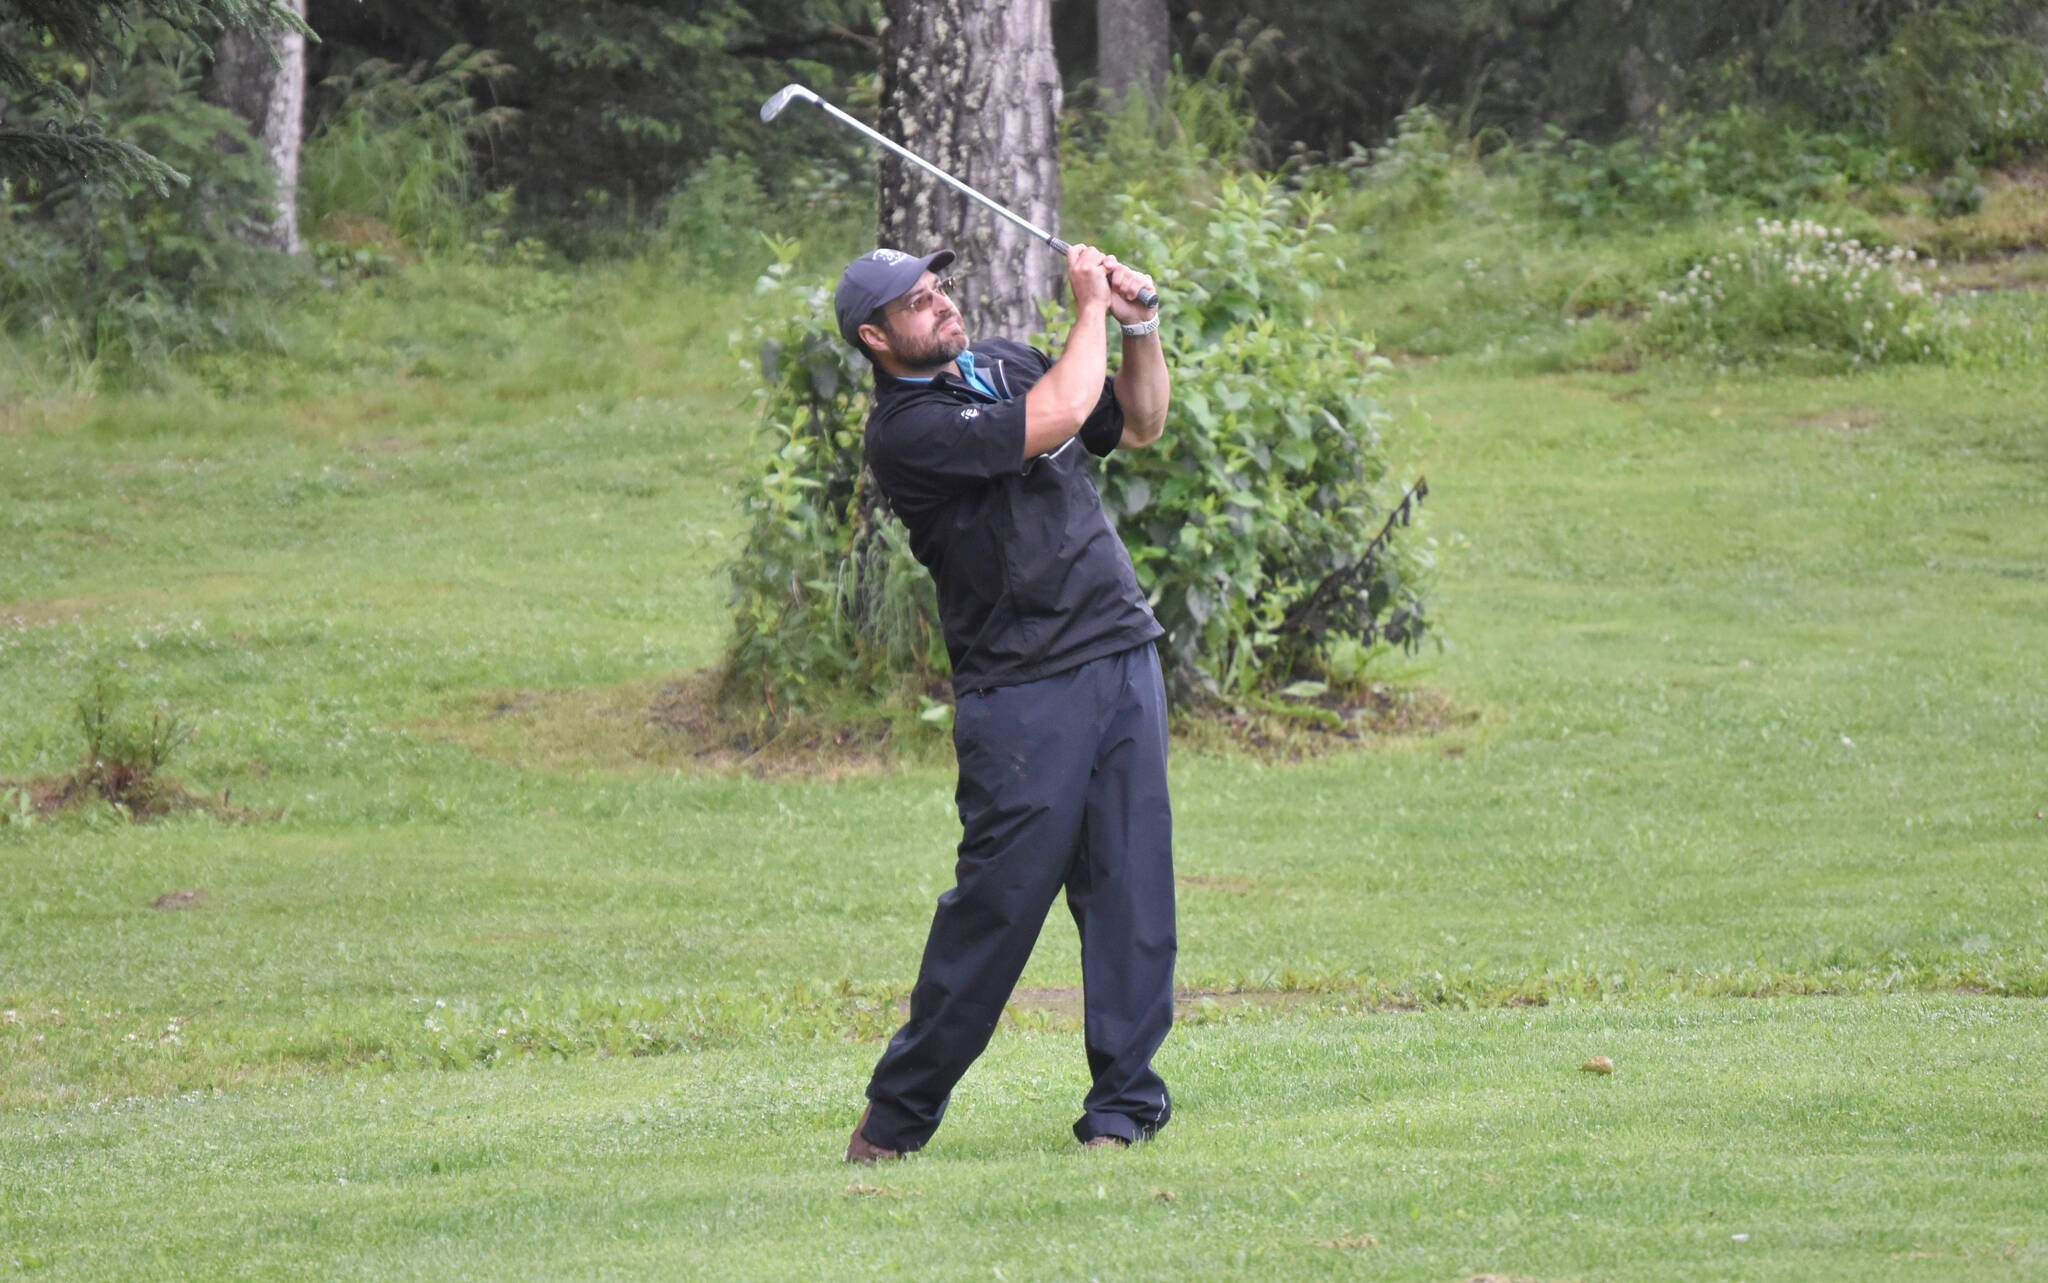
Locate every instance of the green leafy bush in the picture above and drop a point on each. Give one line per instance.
(1272, 478)
(1271, 484)
(829, 606)
(1414, 172)
(715, 216)
(1786, 287)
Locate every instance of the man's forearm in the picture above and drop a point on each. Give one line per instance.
(1143, 389)
(1061, 401)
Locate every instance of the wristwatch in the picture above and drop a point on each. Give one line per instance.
(1142, 327)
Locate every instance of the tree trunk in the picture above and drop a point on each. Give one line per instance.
(1642, 76)
(1133, 49)
(973, 89)
(1636, 103)
(260, 75)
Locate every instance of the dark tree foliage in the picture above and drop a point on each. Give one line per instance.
(117, 274)
(1328, 75)
(620, 101)
(47, 132)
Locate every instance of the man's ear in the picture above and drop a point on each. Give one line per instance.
(875, 337)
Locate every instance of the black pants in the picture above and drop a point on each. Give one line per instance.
(1062, 784)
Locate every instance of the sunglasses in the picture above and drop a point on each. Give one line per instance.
(922, 299)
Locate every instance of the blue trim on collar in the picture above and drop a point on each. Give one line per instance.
(970, 376)
(973, 377)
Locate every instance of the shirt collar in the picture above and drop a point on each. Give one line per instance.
(970, 376)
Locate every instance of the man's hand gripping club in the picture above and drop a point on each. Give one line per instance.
(1061, 402)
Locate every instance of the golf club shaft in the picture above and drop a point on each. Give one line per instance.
(1148, 298)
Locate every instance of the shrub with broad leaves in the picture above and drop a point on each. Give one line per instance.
(829, 605)
(1256, 524)
(1272, 481)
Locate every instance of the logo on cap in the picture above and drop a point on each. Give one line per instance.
(888, 256)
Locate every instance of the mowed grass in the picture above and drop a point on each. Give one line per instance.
(1894, 1139)
(1753, 689)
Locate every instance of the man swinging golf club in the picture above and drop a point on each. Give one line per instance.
(982, 451)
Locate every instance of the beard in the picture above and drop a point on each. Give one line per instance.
(931, 352)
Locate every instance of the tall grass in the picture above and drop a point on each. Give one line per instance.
(1560, 257)
(400, 149)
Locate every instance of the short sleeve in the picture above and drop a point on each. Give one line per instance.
(1104, 427)
(930, 452)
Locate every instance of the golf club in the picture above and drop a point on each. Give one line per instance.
(792, 93)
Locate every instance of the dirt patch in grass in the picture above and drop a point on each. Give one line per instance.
(671, 724)
(49, 610)
(139, 796)
(1334, 722)
(676, 723)
(829, 750)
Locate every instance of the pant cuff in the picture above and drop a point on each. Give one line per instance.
(1122, 1126)
(892, 1127)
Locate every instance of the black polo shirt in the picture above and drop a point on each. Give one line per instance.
(1032, 579)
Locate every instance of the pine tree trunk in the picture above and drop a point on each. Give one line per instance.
(1134, 49)
(973, 89)
(260, 75)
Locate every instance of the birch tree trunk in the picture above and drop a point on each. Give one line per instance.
(260, 75)
(1133, 49)
(972, 88)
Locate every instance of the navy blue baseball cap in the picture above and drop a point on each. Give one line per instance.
(881, 276)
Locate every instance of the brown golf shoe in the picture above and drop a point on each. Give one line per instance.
(860, 1150)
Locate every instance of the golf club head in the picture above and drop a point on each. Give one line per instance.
(783, 97)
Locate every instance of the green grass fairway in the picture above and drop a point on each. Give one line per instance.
(1852, 1138)
(1743, 789)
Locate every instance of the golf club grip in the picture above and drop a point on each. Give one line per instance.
(1150, 298)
